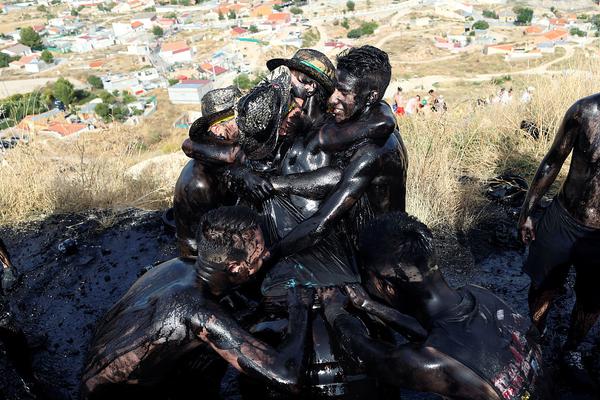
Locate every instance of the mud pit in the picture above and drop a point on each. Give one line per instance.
(62, 295)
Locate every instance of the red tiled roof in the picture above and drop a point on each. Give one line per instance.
(533, 29)
(136, 24)
(65, 129)
(555, 34)
(181, 50)
(174, 46)
(279, 17)
(96, 63)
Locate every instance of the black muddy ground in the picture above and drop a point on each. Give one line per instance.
(61, 296)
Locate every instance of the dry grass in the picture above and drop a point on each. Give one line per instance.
(481, 143)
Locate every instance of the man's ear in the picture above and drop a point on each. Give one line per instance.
(312, 89)
(372, 97)
(235, 267)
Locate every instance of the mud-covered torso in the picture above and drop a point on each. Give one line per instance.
(580, 193)
(148, 330)
(489, 337)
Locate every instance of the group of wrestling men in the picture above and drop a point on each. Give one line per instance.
(300, 274)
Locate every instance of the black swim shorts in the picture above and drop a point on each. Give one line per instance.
(560, 242)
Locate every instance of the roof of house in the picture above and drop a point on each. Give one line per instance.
(136, 24)
(174, 46)
(27, 59)
(65, 128)
(238, 30)
(17, 48)
(194, 82)
(147, 15)
(555, 34)
(278, 17)
(45, 115)
(181, 50)
(208, 67)
(534, 29)
(558, 21)
(507, 47)
(96, 63)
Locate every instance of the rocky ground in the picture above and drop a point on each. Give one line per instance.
(67, 286)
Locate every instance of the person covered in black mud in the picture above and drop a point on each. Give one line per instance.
(171, 317)
(568, 233)
(368, 164)
(475, 346)
(214, 145)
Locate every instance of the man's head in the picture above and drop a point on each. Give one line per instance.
(397, 251)
(218, 115)
(363, 75)
(399, 89)
(313, 75)
(231, 247)
(431, 91)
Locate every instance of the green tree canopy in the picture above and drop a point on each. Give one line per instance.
(231, 14)
(103, 111)
(481, 25)
(64, 91)
(296, 10)
(242, 81)
(31, 38)
(157, 31)
(490, 14)
(5, 59)
(524, 15)
(47, 57)
(253, 29)
(350, 5)
(354, 33)
(95, 82)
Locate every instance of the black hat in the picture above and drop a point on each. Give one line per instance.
(260, 112)
(216, 104)
(311, 62)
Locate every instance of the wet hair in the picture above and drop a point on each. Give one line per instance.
(220, 242)
(370, 65)
(430, 91)
(395, 237)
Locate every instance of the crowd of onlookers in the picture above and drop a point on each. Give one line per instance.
(432, 102)
(505, 96)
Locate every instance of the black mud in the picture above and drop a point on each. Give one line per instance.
(62, 295)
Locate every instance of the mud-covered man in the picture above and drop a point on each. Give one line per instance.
(474, 345)
(176, 312)
(369, 154)
(568, 233)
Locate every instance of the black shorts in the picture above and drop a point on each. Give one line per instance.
(561, 241)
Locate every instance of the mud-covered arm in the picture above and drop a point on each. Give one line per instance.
(551, 163)
(211, 152)
(356, 178)
(404, 324)
(283, 366)
(377, 124)
(312, 185)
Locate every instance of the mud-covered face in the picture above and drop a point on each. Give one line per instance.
(227, 130)
(253, 242)
(348, 98)
(303, 87)
(394, 276)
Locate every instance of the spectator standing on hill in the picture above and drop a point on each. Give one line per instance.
(412, 105)
(399, 102)
(527, 95)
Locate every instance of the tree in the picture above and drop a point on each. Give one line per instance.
(481, 25)
(5, 59)
(74, 12)
(296, 10)
(231, 14)
(64, 91)
(173, 81)
(157, 31)
(184, 2)
(171, 15)
(42, 8)
(345, 23)
(368, 28)
(524, 15)
(128, 98)
(577, 32)
(106, 97)
(490, 14)
(596, 21)
(253, 29)
(350, 5)
(31, 38)
(47, 57)
(242, 81)
(103, 111)
(221, 16)
(277, 7)
(355, 34)
(95, 82)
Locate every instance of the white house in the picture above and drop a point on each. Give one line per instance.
(147, 19)
(17, 50)
(147, 74)
(189, 92)
(172, 52)
(121, 28)
(120, 82)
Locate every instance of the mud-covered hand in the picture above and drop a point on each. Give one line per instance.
(526, 229)
(334, 302)
(358, 295)
(249, 184)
